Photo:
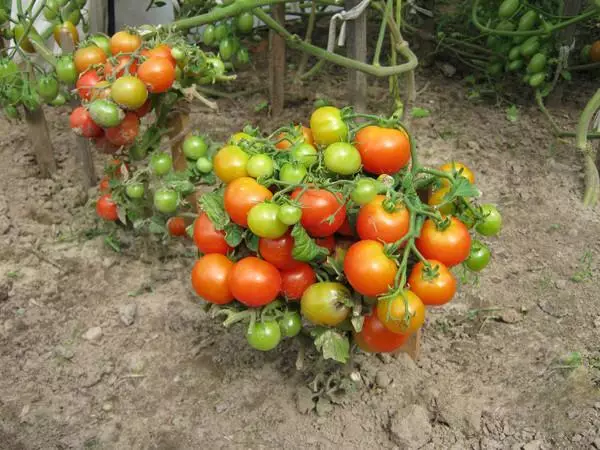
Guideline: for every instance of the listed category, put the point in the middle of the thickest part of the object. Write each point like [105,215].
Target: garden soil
[106,350]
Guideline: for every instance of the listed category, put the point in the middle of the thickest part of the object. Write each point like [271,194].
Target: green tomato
[260,165]
[244,22]
[178,54]
[106,113]
[226,48]
[537,79]
[194,147]
[59,100]
[263,221]
[65,70]
[304,154]
[135,190]
[47,87]
[61,3]
[290,324]
[138,152]
[508,8]
[74,17]
[242,57]
[204,165]
[364,191]
[479,257]
[51,10]
[264,336]
[221,32]
[289,214]
[292,173]
[161,163]
[4,16]
[208,37]
[342,158]
[102,41]
[537,63]
[165,200]
[492,221]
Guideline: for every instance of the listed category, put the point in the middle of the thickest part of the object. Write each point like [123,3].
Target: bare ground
[494,373]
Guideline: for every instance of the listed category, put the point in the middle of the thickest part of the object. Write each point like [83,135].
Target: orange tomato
[304,135]
[87,57]
[126,132]
[176,226]
[454,167]
[241,195]
[161,51]
[434,287]
[383,150]
[157,73]
[210,276]
[382,220]
[123,65]
[230,163]
[124,42]
[404,313]
[595,52]
[450,245]
[368,269]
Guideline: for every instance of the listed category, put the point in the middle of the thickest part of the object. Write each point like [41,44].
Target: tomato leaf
[213,205]
[332,344]
[357,323]
[122,214]
[512,113]
[189,230]
[251,241]
[155,228]
[234,234]
[305,248]
[419,113]
[461,188]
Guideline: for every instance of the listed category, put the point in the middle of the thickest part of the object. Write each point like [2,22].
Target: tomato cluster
[228,38]
[329,229]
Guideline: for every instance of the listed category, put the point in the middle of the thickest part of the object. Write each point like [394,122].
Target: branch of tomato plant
[548,29]
[592,178]
[307,38]
[382,27]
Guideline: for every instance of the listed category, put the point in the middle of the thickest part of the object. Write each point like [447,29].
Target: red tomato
[210,277]
[278,251]
[126,132]
[120,68]
[368,269]
[318,206]
[207,238]
[145,109]
[106,208]
[346,229]
[86,82]
[296,280]
[104,186]
[176,226]
[382,220]
[383,150]
[435,287]
[327,242]
[376,338]
[450,246]
[124,42]
[241,195]
[161,51]
[104,146]
[254,282]
[157,73]
[82,124]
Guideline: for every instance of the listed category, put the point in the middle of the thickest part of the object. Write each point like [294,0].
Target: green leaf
[566,75]
[461,188]
[251,241]
[155,228]
[512,113]
[261,106]
[357,323]
[305,248]
[419,113]
[212,204]
[234,234]
[332,344]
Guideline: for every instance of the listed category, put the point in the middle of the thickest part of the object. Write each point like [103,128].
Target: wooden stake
[40,139]
[83,153]
[277,63]
[356,41]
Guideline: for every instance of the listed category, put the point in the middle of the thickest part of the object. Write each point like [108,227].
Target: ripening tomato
[368,269]
[160,51]
[595,51]
[435,285]
[263,221]
[254,282]
[87,57]
[383,220]
[230,163]
[393,313]
[383,150]
[301,135]
[327,242]
[374,337]
[106,208]
[176,226]
[124,42]
[207,238]
[327,126]
[104,186]
[318,207]
[82,124]
[65,70]
[278,252]
[105,113]
[68,28]
[101,90]
[101,40]
[455,168]
[241,195]
[449,245]
[305,154]
[210,277]
[326,303]
[129,92]
[296,280]
[437,199]
[157,73]
[122,65]
[86,82]
[126,132]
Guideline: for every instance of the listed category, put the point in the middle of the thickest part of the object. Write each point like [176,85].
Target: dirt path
[76,373]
